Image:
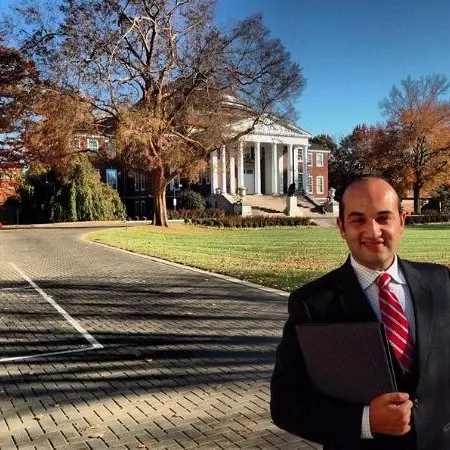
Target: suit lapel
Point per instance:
(352, 299)
(423, 311)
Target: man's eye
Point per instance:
(383, 219)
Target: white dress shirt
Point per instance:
(398, 285)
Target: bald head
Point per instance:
(371, 186)
(371, 222)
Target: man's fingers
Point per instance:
(395, 397)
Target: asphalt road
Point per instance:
(104, 349)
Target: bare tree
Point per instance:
(163, 76)
(419, 122)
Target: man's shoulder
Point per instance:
(425, 268)
(320, 289)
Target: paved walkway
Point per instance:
(104, 349)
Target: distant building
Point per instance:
(268, 160)
(132, 185)
(265, 162)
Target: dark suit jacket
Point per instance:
(299, 408)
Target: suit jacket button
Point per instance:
(416, 403)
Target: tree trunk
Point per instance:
(159, 199)
(417, 206)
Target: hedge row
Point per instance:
(428, 218)
(252, 222)
(206, 213)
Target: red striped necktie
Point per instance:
(396, 324)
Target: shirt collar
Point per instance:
(367, 276)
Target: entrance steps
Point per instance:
(267, 205)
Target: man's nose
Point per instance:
(373, 229)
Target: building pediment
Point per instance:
(270, 127)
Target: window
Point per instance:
(111, 178)
(319, 159)
(300, 155)
(310, 161)
(93, 144)
(319, 185)
(143, 208)
(300, 181)
(310, 185)
(137, 208)
(142, 181)
(136, 182)
(204, 178)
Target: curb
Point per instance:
(193, 269)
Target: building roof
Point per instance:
(318, 147)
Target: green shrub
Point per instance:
(192, 200)
(427, 218)
(251, 221)
(90, 199)
(191, 213)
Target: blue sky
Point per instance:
(352, 51)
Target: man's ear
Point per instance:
(403, 219)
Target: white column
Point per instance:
(223, 169)
(290, 165)
(274, 169)
(214, 175)
(295, 162)
(257, 167)
(280, 168)
(241, 165)
(305, 169)
(232, 173)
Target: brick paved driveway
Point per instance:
(183, 359)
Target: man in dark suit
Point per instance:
(417, 294)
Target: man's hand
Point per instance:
(391, 414)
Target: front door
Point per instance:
(249, 180)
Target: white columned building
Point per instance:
(267, 160)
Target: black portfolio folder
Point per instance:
(348, 361)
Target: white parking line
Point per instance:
(94, 343)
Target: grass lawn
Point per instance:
(283, 258)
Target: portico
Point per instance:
(264, 162)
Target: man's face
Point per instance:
(372, 225)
